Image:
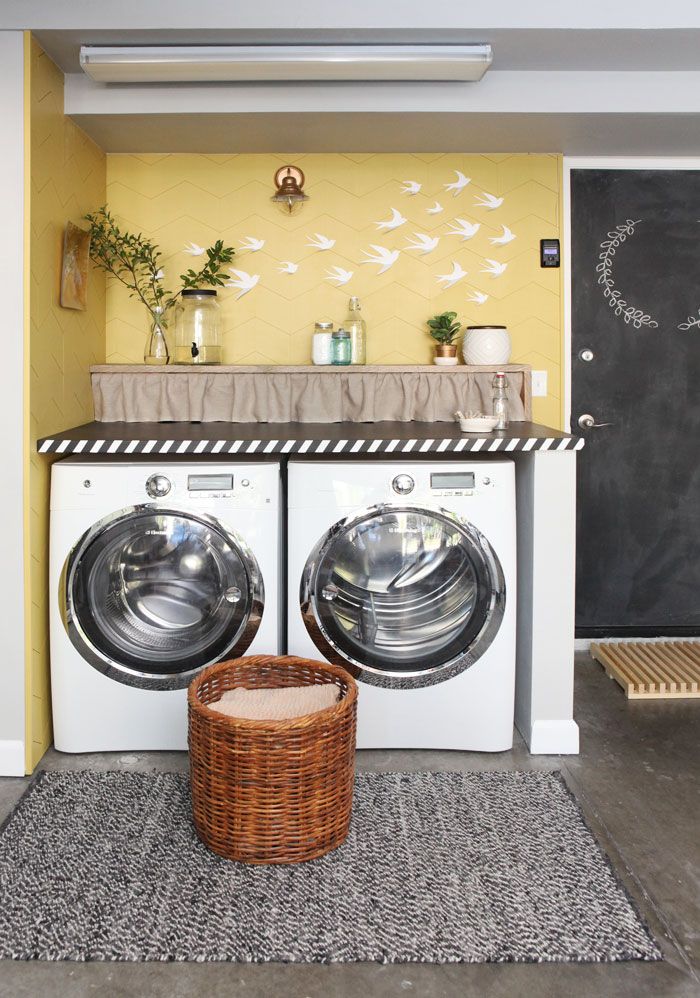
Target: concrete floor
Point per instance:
(637, 779)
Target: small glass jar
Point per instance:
(341, 347)
(198, 329)
(321, 343)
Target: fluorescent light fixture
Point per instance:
(284, 63)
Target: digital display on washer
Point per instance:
(209, 483)
(452, 480)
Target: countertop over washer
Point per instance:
(301, 438)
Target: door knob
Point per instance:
(587, 422)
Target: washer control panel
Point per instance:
(212, 486)
(452, 483)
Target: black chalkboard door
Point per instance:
(636, 308)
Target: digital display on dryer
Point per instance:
(452, 480)
(209, 483)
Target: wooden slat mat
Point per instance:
(652, 670)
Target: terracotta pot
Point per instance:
(446, 350)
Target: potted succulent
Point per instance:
(136, 261)
(444, 328)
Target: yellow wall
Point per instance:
(181, 198)
(66, 177)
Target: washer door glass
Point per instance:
(154, 595)
(405, 596)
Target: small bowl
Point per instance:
(445, 361)
(478, 424)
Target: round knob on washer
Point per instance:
(158, 486)
(403, 484)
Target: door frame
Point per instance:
(598, 163)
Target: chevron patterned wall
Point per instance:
(405, 232)
(66, 178)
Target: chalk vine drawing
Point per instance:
(692, 322)
(637, 316)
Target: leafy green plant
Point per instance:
(135, 260)
(444, 327)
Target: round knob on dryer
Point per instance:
(158, 486)
(403, 484)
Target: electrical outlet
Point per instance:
(539, 384)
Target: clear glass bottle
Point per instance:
(156, 352)
(500, 400)
(357, 327)
(341, 347)
(198, 328)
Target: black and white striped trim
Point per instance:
(487, 445)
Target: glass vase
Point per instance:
(156, 352)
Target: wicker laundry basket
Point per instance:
(271, 791)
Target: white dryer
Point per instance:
(156, 570)
(404, 574)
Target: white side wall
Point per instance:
(12, 725)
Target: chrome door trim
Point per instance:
(385, 677)
(127, 675)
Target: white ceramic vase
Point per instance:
(486, 345)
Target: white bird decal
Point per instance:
(339, 276)
(495, 269)
(478, 297)
(244, 282)
(463, 228)
(506, 237)
(193, 249)
(287, 267)
(456, 275)
(394, 222)
(459, 184)
(159, 274)
(489, 201)
(320, 242)
(384, 257)
(410, 187)
(252, 244)
(435, 210)
(423, 243)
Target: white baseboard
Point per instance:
(12, 758)
(554, 738)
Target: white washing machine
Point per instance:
(404, 574)
(156, 570)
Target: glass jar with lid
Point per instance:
(198, 328)
(341, 347)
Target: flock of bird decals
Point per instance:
(383, 257)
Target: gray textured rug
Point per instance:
(439, 867)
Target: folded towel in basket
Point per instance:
(278, 704)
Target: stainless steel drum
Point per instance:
(403, 596)
(150, 596)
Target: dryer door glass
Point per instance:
(153, 595)
(404, 596)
